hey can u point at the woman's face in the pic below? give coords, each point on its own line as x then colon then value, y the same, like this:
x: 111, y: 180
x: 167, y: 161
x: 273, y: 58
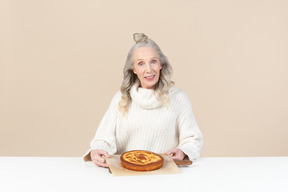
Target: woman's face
x: 147, y: 66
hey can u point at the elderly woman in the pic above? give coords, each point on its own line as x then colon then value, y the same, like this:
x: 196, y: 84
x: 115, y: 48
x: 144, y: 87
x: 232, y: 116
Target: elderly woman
x: 148, y: 113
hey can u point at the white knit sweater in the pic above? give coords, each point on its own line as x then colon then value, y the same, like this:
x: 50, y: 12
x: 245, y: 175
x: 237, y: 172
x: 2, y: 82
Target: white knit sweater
x: 149, y: 126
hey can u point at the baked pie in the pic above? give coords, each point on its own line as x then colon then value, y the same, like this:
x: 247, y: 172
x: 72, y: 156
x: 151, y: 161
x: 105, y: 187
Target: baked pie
x: 140, y: 160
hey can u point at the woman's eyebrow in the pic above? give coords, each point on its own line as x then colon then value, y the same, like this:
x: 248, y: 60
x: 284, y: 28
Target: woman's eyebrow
x: 143, y: 59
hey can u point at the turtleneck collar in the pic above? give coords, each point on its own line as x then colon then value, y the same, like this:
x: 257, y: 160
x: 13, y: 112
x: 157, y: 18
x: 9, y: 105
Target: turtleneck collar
x: 144, y: 98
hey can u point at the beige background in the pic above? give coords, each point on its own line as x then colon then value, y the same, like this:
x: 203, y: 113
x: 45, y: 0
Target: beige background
x: 62, y: 61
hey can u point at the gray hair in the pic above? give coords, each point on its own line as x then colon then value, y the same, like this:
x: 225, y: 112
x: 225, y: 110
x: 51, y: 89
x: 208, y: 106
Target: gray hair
x: 164, y: 83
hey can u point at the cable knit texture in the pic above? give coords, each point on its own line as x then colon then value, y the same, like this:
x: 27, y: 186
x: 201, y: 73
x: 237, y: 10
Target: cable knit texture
x: 149, y: 126
x: 144, y: 98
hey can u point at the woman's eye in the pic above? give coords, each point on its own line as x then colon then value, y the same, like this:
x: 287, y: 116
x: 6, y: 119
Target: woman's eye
x: 154, y: 61
x: 140, y: 63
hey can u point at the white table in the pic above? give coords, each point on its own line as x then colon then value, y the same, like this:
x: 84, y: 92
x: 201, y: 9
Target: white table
x: 207, y: 174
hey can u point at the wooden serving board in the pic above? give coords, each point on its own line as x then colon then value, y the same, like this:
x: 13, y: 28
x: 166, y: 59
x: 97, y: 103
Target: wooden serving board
x: 168, y: 167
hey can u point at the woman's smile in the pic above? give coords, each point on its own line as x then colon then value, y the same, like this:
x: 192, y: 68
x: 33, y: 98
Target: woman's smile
x: 150, y: 78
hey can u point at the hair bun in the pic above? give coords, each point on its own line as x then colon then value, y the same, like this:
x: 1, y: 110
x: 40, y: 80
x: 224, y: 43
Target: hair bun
x: 139, y: 37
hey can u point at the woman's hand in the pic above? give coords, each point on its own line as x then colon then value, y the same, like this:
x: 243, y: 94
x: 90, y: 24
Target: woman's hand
x: 177, y: 154
x: 97, y: 157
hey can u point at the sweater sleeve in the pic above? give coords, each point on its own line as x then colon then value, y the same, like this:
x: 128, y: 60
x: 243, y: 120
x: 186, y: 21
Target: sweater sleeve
x: 190, y: 136
x: 105, y: 138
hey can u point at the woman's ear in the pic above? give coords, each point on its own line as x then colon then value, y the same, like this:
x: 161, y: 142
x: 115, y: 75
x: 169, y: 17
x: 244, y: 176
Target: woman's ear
x: 132, y: 69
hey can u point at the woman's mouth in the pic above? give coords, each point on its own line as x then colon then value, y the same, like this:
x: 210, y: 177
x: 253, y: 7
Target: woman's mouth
x: 149, y: 78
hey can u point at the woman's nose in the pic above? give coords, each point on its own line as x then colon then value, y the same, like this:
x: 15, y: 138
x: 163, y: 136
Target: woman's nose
x: 148, y: 68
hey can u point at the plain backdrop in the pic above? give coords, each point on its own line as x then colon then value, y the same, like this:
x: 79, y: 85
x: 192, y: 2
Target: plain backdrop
x: 62, y: 62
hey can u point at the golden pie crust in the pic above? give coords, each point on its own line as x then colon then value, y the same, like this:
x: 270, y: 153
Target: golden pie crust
x: 141, y: 160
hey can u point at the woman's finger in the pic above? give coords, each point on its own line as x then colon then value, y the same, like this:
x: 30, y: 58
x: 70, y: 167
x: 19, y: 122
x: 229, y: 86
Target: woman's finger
x: 99, y: 159
x: 105, y: 154
x: 171, y: 152
x: 100, y: 164
x: 177, y: 156
x: 176, y: 153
